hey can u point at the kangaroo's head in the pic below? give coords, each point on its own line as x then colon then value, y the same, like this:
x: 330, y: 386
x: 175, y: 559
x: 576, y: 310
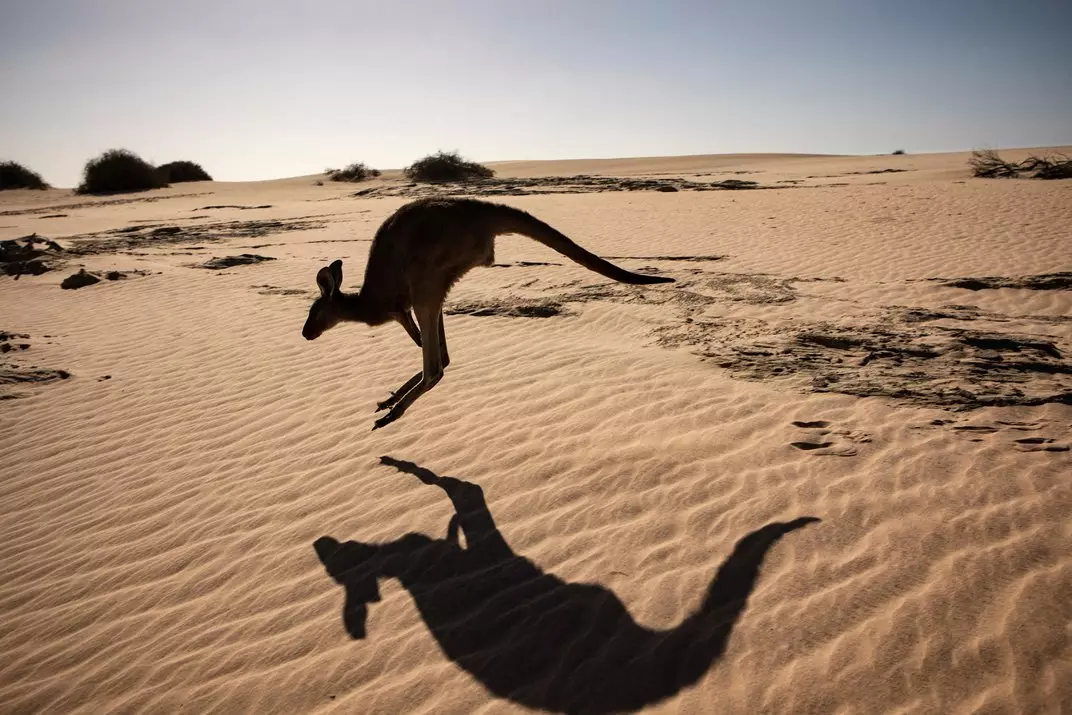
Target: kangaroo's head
x: 327, y: 310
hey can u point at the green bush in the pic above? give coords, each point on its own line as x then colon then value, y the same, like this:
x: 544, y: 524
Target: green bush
x: 355, y: 172
x: 446, y: 166
x: 175, y: 172
x: 14, y: 175
x: 118, y: 170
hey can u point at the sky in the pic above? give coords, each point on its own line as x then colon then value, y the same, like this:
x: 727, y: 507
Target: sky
x: 269, y: 89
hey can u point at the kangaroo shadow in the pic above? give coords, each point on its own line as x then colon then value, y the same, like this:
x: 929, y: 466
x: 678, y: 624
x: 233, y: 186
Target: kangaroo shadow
x: 529, y: 636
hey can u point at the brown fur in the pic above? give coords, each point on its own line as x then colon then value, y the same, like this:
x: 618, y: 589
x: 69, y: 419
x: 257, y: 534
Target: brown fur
x: 418, y: 254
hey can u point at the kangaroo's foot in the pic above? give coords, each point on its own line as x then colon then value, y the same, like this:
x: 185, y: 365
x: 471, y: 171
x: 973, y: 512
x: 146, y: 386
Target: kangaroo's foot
x: 434, y: 349
x: 387, y: 419
x: 400, y: 392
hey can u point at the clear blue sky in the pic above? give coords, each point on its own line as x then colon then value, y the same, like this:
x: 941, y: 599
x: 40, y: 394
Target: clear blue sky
x: 270, y: 89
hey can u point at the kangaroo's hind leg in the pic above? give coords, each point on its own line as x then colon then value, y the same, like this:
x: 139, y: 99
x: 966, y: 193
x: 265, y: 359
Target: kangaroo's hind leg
x: 410, y: 383
x: 430, y: 320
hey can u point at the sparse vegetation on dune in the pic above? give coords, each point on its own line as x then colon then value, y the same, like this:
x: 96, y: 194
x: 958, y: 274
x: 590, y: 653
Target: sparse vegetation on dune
x: 174, y: 172
x: 119, y: 170
x: 358, y: 171
x: 446, y: 166
x: 14, y: 175
x: 988, y: 164
x: 899, y: 152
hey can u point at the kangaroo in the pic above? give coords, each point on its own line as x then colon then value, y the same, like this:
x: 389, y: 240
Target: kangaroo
x: 417, y: 255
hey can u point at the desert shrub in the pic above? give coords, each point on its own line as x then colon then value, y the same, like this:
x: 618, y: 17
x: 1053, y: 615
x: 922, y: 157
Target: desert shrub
x: 14, y: 175
x: 175, y: 172
x: 1053, y: 167
x: 446, y: 166
x: 357, y: 171
x: 988, y: 164
x: 899, y: 152
x: 118, y: 170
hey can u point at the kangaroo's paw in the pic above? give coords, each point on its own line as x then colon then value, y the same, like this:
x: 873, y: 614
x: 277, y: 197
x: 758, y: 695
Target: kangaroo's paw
x: 388, y: 403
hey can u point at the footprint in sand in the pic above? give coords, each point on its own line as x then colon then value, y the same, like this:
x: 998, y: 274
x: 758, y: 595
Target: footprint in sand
x: 977, y: 432
x: 824, y: 440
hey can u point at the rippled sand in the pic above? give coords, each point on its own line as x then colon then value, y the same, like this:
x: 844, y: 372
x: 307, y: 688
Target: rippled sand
x: 598, y: 509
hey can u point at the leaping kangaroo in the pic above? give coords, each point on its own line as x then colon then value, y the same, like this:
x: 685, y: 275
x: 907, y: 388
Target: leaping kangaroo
x: 417, y: 255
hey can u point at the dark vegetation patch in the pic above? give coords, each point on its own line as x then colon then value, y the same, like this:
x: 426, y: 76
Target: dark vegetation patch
x: 358, y: 171
x: 266, y: 289
x: 878, y: 171
x: 446, y: 166
x: 131, y: 239
x: 222, y: 262
x: 1042, y: 281
x: 905, y: 354
x: 31, y: 255
x: 79, y: 280
x: 175, y: 172
x: 580, y: 184
x: 508, y: 309
x: 986, y: 163
x: 13, y: 373
x: 98, y: 203
x: 687, y: 259
x: 231, y: 206
x: 118, y: 171
x: 14, y: 175
x: 930, y: 366
x: 9, y: 376
x: 524, y: 264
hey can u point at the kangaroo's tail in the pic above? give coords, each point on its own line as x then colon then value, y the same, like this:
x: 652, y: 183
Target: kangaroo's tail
x: 511, y: 220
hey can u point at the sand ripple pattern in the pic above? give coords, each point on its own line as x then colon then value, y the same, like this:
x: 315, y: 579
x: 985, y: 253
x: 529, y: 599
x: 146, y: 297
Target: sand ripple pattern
x: 159, y: 528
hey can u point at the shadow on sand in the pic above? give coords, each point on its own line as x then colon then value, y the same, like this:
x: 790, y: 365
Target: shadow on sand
x: 529, y: 636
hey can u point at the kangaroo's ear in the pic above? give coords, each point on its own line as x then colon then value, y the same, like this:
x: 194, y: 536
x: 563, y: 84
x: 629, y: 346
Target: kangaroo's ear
x: 336, y: 272
x: 326, y: 280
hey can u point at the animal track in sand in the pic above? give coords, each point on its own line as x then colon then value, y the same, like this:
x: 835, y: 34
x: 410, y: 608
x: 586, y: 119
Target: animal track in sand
x: 836, y: 442
x: 1003, y: 430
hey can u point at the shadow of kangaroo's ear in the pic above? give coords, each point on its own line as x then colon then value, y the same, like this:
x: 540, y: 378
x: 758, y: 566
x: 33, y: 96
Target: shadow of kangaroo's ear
x: 336, y: 272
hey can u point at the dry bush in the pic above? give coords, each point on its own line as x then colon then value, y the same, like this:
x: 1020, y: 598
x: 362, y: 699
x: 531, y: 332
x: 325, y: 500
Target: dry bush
x: 446, y: 166
x: 175, y: 172
x: 988, y: 164
x: 119, y: 170
x: 358, y: 171
x: 14, y: 175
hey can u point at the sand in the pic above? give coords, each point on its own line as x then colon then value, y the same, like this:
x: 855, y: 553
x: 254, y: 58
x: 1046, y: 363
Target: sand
x: 610, y: 500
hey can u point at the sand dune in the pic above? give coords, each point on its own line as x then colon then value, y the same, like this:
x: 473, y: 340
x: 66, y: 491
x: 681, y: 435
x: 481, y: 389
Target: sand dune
x: 606, y: 504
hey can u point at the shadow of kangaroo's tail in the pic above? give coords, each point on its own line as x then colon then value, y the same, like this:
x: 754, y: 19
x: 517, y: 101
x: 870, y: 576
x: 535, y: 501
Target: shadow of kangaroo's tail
x: 511, y: 220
